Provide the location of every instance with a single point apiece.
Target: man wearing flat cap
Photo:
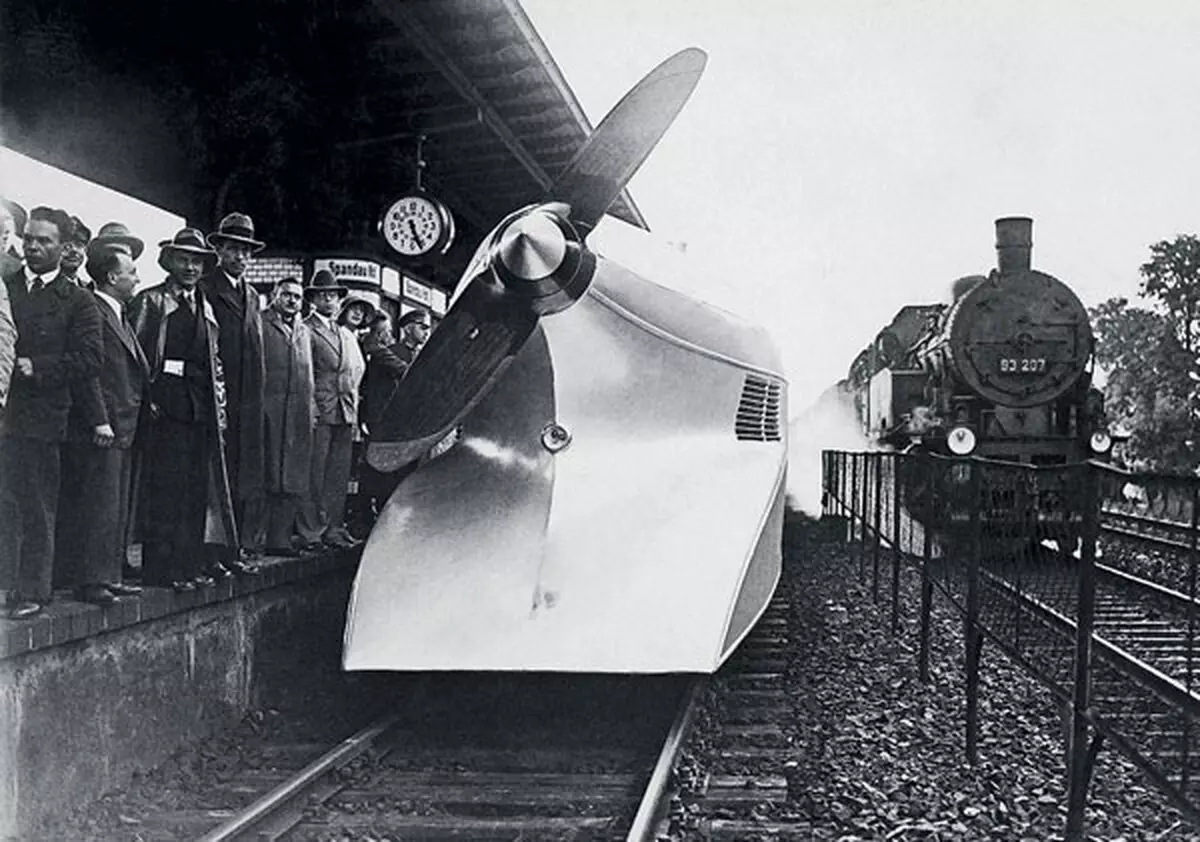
(235, 304)
(59, 343)
(338, 368)
(185, 499)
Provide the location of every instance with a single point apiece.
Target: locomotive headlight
(1100, 442)
(961, 441)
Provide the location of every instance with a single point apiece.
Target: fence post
(925, 465)
(1193, 560)
(1082, 756)
(877, 512)
(972, 636)
(853, 495)
(895, 462)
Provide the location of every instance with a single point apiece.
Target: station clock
(417, 225)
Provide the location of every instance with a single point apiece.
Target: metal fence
(1083, 574)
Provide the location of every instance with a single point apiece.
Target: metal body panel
(649, 544)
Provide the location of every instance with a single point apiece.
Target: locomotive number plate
(1022, 365)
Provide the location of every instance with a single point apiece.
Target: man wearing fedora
(235, 304)
(338, 368)
(59, 343)
(97, 457)
(185, 500)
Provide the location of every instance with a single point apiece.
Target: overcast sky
(841, 159)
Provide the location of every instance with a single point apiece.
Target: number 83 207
(1022, 365)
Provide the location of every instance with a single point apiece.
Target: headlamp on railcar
(1100, 442)
(961, 441)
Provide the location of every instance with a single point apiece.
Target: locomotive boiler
(1004, 371)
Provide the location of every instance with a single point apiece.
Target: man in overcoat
(338, 369)
(59, 343)
(185, 499)
(235, 303)
(97, 456)
(290, 413)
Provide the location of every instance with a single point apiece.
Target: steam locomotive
(1003, 371)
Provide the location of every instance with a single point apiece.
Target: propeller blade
(470, 349)
(534, 263)
(626, 137)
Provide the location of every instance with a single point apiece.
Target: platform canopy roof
(476, 75)
(304, 114)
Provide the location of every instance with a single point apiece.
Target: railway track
(1156, 531)
(746, 744)
(480, 758)
(1145, 664)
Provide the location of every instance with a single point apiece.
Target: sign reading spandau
(350, 269)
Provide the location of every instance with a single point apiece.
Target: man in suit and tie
(338, 368)
(290, 410)
(97, 457)
(236, 306)
(59, 343)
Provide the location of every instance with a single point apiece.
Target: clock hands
(412, 226)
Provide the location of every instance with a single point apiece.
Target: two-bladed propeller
(533, 263)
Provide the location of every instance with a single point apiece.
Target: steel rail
(1131, 581)
(644, 820)
(275, 800)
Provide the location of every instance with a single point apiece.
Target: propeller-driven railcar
(608, 489)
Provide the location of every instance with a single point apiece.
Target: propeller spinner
(534, 263)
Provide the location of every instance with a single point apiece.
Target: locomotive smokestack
(1014, 244)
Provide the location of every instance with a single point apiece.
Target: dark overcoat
(290, 410)
(240, 346)
(148, 313)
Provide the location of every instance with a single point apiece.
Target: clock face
(414, 226)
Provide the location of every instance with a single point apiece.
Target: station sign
(350, 271)
(417, 291)
(391, 281)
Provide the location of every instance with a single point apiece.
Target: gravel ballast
(877, 755)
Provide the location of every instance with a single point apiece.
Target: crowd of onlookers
(185, 416)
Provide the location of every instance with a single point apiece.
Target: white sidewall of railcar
(625, 552)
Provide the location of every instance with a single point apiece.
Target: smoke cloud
(829, 424)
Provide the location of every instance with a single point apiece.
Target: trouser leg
(312, 518)
(337, 476)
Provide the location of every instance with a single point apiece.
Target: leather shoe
(122, 589)
(25, 610)
(242, 568)
(218, 570)
(96, 594)
(183, 586)
(338, 542)
(203, 581)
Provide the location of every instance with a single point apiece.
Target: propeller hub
(533, 247)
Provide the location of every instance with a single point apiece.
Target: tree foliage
(1172, 278)
(1148, 390)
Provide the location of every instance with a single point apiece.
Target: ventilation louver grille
(758, 410)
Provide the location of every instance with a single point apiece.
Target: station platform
(91, 695)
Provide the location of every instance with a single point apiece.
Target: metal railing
(1014, 548)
